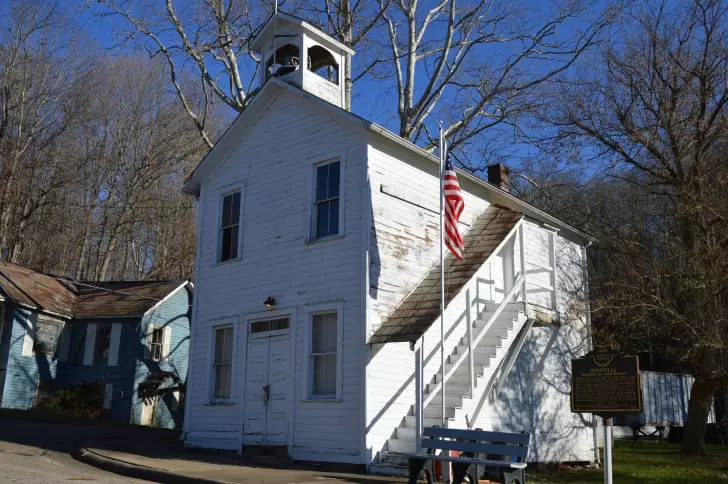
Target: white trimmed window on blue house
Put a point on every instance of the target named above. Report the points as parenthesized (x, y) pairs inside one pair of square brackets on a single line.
[(230, 227), (326, 216), (156, 344), (103, 343)]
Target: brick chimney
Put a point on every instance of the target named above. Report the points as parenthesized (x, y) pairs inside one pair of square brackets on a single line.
[(498, 176)]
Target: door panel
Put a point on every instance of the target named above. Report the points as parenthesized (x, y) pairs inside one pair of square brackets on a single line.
[(267, 387), (278, 368), (256, 375)]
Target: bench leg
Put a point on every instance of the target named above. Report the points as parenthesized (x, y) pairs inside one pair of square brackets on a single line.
[(460, 471), (515, 476), (415, 467)]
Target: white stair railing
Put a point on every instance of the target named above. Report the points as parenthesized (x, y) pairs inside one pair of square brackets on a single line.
[(518, 286)]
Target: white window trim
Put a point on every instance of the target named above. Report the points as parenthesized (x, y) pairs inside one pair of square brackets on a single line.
[(229, 190), (312, 309), (166, 340), (211, 391), (312, 203), (275, 314)]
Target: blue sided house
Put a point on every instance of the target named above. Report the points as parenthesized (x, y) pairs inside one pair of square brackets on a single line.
[(126, 340)]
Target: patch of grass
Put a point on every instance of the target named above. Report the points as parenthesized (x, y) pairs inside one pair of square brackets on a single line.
[(649, 462)]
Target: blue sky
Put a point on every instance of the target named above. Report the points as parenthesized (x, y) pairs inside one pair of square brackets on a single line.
[(376, 99)]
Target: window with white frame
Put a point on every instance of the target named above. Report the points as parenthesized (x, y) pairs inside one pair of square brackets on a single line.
[(223, 363), (156, 344), (323, 365), (230, 227), (326, 200), (103, 343)]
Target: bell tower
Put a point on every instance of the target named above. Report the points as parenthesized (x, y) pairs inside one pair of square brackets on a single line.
[(297, 52)]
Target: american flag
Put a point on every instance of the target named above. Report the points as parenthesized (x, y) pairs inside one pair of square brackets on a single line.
[(454, 205)]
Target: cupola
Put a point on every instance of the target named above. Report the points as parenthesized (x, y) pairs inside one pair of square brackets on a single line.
[(297, 52)]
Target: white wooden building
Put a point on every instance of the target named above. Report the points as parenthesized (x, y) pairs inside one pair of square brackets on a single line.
[(318, 248)]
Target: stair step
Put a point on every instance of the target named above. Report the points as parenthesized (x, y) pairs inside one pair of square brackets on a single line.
[(403, 446), (499, 323), (461, 378), (433, 411), (451, 399), (488, 341), (389, 462), (411, 422), (454, 389), (406, 433), (385, 469)]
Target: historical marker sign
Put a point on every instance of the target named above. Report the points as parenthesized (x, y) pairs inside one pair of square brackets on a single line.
[(606, 383)]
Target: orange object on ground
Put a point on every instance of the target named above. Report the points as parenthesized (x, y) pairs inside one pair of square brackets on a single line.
[(438, 465)]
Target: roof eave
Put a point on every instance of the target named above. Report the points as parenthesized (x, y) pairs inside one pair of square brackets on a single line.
[(169, 294), (256, 45), (500, 196)]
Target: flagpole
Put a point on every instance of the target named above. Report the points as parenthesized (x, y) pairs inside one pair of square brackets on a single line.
[(442, 278)]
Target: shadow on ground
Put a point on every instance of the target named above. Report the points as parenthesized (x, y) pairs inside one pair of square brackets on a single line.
[(168, 452)]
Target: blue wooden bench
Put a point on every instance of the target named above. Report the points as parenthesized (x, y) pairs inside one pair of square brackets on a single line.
[(498, 456)]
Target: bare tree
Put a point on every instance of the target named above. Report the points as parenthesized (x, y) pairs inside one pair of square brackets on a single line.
[(478, 63), (653, 110), (208, 40), (39, 66), (92, 153)]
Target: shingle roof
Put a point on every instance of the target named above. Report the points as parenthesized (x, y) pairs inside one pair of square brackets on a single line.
[(126, 298), (81, 299), (416, 313)]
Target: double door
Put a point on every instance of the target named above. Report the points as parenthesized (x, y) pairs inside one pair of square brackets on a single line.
[(267, 384)]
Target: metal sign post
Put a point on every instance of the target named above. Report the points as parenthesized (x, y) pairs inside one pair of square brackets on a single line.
[(607, 449), (606, 383)]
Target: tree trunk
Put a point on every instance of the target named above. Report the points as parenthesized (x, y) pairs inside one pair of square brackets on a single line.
[(701, 399)]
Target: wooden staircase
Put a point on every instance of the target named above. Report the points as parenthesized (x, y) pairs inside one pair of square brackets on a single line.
[(488, 356)]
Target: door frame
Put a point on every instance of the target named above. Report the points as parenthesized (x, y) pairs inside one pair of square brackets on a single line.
[(245, 321)]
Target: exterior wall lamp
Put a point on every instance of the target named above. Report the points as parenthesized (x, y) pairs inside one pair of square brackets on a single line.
[(270, 302)]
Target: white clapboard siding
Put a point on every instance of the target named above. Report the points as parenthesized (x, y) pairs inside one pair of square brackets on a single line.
[(114, 344), (389, 240), (89, 346), (273, 164), (405, 245)]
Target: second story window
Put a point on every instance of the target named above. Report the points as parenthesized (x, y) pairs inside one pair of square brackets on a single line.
[(326, 200), (230, 227)]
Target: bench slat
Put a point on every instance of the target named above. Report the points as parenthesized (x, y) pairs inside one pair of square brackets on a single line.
[(481, 435), (505, 450), (469, 460)]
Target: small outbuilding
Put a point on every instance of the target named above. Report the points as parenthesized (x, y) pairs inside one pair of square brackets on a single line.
[(108, 339)]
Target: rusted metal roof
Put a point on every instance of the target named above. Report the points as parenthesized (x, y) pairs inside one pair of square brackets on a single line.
[(81, 299), (419, 310), (37, 290)]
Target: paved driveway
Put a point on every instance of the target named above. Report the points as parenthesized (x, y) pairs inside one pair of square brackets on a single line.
[(31, 464), (41, 452)]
